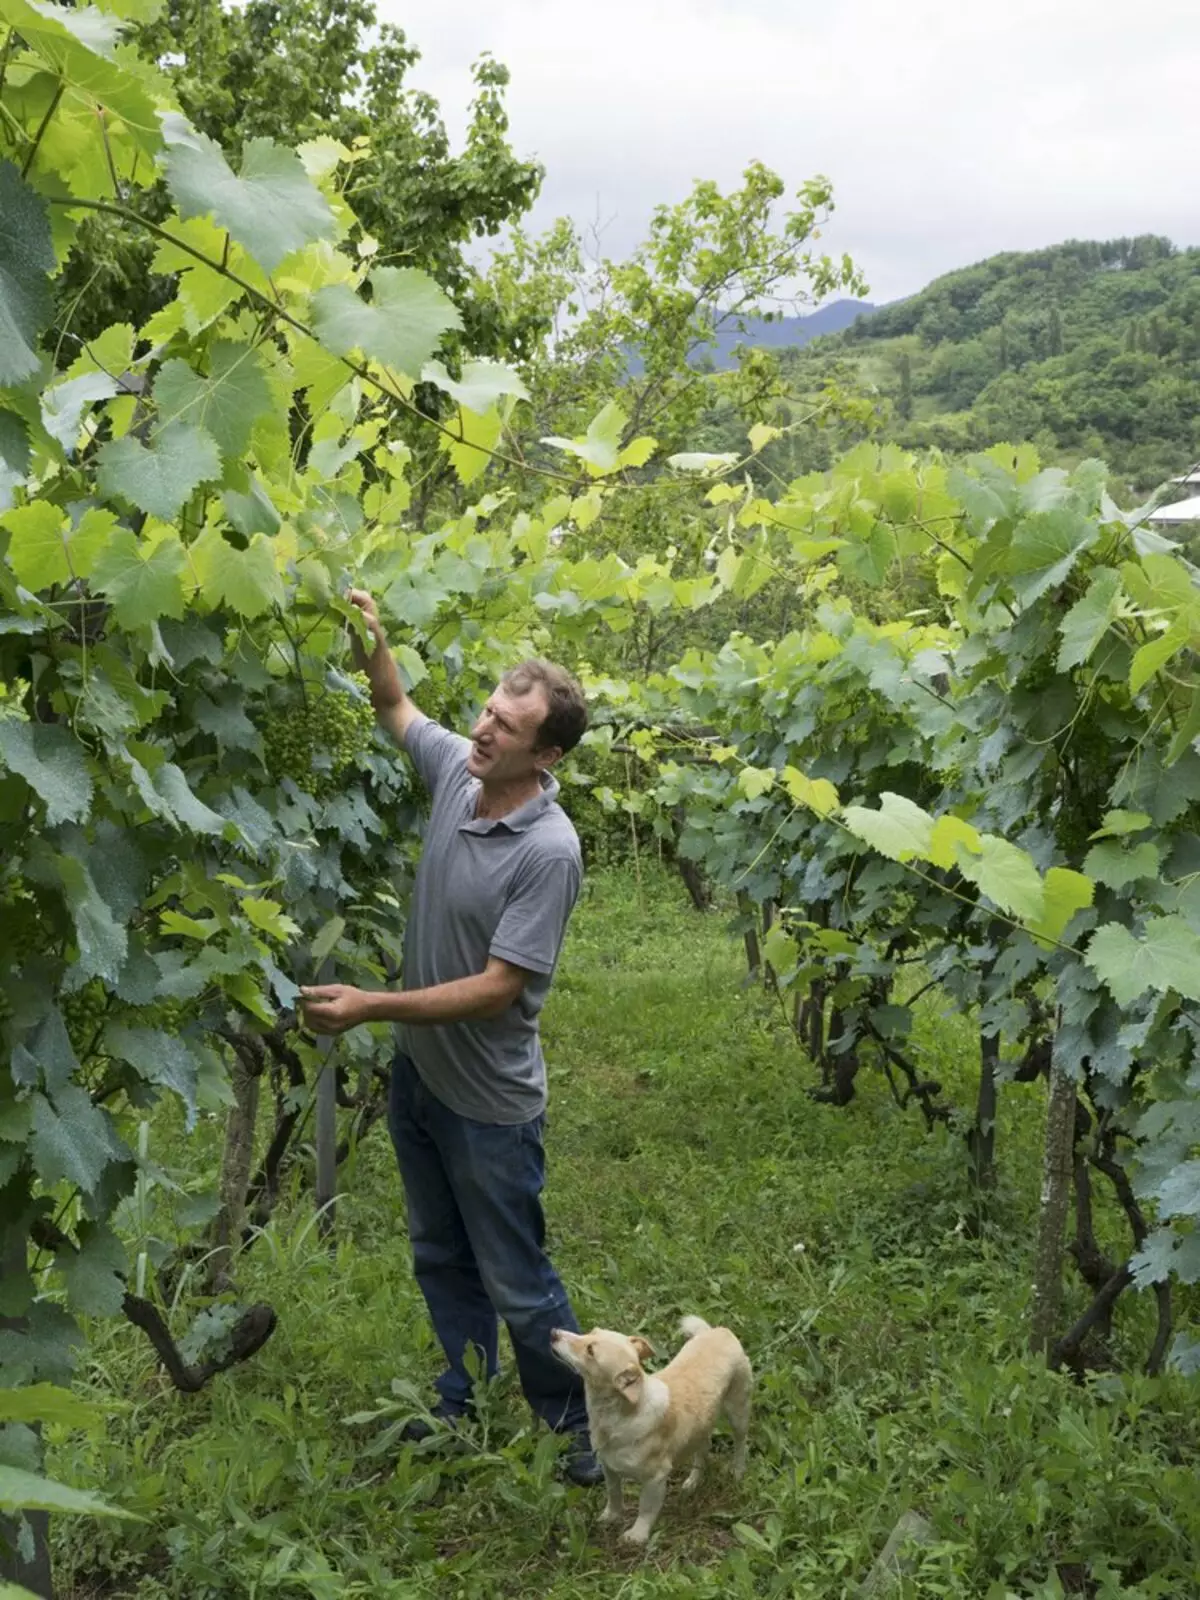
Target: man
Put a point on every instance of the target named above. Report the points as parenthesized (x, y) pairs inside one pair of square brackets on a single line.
[(499, 874)]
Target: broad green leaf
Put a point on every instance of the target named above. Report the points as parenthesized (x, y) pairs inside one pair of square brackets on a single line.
[(323, 155), (755, 781), (761, 434), (94, 1274), (1088, 620), (185, 927), (144, 582), (181, 803), (949, 832), (818, 794), (46, 1402), (72, 1139), (103, 941), (401, 326), (247, 580), (1006, 875), (268, 917), (51, 1049), (76, 42), (159, 478), (53, 765), (1065, 892), (702, 461), (779, 949), (271, 208), (599, 447), (26, 261), (1044, 548), (1154, 655), (1122, 822), (1159, 584), (411, 665), (159, 1058), (226, 404), (1114, 865), (482, 383), (29, 1491), (64, 404), (470, 454), (14, 455), (45, 549), (899, 830), (1166, 957)]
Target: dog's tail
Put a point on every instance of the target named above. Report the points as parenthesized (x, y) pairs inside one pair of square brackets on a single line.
[(691, 1326)]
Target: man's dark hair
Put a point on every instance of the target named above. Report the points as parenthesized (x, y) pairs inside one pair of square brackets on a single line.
[(567, 718)]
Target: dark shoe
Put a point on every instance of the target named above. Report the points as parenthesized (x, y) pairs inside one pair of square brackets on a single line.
[(581, 1466), (419, 1429)]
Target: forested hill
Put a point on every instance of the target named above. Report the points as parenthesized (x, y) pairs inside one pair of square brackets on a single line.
[(1087, 348)]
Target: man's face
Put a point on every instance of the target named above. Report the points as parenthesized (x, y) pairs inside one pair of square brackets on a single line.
[(504, 737)]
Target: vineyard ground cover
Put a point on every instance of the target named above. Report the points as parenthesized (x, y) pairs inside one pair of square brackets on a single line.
[(689, 1171)]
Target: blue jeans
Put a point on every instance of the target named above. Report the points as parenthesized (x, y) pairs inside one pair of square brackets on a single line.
[(478, 1234)]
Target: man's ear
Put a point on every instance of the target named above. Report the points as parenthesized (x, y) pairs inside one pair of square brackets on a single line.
[(645, 1350), (548, 757)]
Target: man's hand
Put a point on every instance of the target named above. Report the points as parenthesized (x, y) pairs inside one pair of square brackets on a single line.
[(393, 709), (364, 602), (334, 1007)]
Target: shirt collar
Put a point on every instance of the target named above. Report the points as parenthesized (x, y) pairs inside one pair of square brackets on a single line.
[(519, 820)]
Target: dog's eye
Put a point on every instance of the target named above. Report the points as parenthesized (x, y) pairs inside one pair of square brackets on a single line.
[(591, 1349)]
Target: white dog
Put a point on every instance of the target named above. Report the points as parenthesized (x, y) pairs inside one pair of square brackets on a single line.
[(646, 1425)]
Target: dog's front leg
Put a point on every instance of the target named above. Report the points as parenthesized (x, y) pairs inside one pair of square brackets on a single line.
[(650, 1503), (612, 1509)]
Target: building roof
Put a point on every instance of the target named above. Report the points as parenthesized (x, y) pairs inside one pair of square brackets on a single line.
[(1188, 477), (1181, 511)]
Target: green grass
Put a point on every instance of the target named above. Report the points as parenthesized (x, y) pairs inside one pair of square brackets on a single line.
[(689, 1171)]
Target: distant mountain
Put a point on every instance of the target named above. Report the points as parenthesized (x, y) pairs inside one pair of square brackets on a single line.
[(1085, 348), (787, 333)]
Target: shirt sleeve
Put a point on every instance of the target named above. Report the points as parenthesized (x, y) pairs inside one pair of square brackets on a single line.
[(434, 751), (534, 920)]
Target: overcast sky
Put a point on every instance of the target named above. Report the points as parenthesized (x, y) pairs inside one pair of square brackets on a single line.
[(950, 128)]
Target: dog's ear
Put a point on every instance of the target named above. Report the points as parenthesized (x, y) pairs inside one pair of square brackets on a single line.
[(645, 1350), (626, 1383)]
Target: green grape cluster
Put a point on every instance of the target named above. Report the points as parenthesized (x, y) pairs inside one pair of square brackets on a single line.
[(316, 744), (84, 1012)]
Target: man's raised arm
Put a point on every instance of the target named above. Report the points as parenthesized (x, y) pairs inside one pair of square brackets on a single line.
[(393, 709)]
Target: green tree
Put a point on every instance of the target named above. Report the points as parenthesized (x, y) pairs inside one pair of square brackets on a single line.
[(300, 70), (904, 399)]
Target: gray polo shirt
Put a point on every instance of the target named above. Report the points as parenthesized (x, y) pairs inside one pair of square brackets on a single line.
[(485, 887)]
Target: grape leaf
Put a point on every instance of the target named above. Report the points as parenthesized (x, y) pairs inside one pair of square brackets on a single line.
[(1088, 620), (818, 794), (226, 404), (174, 792), (1150, 657), (248, 580), (46, 1402), (159, 1058), (1045, 546), (1066, 892), (755, 781), (899, 830), (271, 209), (63, 405), (469, 455), (26, 261), (1111, 864), (72, 1139), (14, 455), (53, 765), (160, 477), (45, 550), (482, 383), (30, 1491), (949, 832), (1166, 957), (103, 942), (143, 581), (51, 1049), (94, 1274), (400, 327), (1006, 875)]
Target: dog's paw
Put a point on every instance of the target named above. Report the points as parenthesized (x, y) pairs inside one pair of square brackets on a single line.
[(609, 1516), (636, 1536), (688, 1486)]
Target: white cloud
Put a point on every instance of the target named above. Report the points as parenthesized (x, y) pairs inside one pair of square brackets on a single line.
[(950, 130)]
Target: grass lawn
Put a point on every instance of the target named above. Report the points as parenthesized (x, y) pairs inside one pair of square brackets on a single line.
[(689, 1171)]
